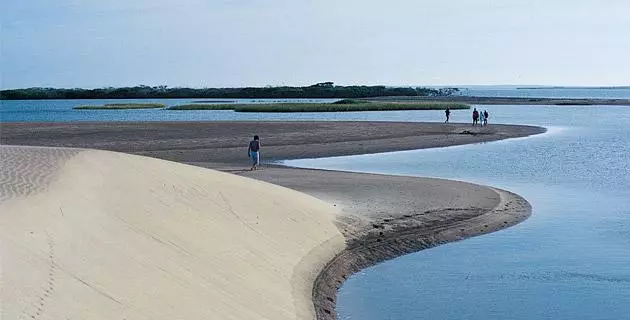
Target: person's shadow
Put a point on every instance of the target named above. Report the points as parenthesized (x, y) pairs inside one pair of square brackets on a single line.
[(236, 171)]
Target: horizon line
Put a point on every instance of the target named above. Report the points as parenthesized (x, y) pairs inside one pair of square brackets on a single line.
[(458, 86)]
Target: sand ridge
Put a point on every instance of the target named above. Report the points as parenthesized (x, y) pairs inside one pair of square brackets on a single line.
[(122, 236)]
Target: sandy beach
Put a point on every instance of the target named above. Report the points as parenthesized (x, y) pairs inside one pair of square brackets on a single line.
[(96, 233)]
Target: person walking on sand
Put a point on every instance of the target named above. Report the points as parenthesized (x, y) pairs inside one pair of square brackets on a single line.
[(448, 114), (485, 117), (475, 116), (481, 119), (253, 152)]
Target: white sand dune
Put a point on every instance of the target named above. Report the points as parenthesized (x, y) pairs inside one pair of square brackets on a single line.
[(104, 235)]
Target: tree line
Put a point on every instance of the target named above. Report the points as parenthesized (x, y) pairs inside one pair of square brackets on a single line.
[(320, 90)]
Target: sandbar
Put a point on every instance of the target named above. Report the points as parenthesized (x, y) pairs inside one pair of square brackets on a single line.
[(140, 237)]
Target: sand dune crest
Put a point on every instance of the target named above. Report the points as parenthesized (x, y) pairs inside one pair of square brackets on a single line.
[(112, 236)]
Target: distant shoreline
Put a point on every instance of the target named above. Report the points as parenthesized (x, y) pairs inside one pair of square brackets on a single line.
[(508, 100), (416, 99), (323, 90), (575, 88)]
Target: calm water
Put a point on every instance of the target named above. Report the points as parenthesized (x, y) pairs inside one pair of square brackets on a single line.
[(582, 93), (61, 110), (570, 260)]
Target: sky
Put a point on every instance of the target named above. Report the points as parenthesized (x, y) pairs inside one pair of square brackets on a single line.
[(234, 43)]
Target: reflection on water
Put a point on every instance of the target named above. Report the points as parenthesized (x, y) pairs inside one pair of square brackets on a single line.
[(570, 260)]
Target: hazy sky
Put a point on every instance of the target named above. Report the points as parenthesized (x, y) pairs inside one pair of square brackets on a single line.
[(87, 43)]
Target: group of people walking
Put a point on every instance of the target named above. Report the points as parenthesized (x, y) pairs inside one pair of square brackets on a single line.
[(479, 118)]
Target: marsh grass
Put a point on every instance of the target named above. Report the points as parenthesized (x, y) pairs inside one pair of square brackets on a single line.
[(339, 106), (205, 106), (573, 103), (116, 106)]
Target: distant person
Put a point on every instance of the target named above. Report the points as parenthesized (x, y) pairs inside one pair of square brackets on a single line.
[(448, 114), (481, 119), (475, 116), (253, 152), (485, 117)]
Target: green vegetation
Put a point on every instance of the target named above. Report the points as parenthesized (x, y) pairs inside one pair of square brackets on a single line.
[(573, 103), (319, 90), (115, 106), (206, 106), (215, 101), (339, 106), (346, 101)]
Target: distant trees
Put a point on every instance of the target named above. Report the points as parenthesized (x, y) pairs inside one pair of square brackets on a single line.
[(319, 90), (447, 91), (324, 84)]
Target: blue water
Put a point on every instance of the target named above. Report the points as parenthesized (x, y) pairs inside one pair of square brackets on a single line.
[(570, 260), (61, 110), (578, 93)]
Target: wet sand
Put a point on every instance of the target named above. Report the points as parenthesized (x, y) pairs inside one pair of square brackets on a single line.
[(380, 217), (225, 143)]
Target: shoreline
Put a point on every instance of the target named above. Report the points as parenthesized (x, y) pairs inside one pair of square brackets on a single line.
[(371, 248), (376, 230), (478, 100), (409, 214)]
